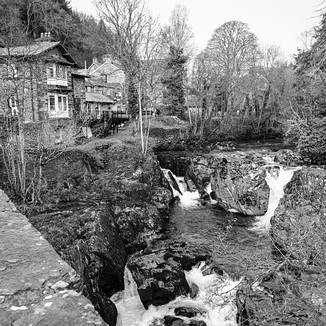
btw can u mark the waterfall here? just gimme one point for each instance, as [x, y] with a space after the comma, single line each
[208, 189]
[277, 178]
[128, 303]
[216, 295]
[179, 188]
[214, 301]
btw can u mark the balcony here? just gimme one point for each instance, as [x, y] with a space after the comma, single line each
[57, 81]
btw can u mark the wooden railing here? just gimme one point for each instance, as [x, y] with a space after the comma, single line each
[121, 116]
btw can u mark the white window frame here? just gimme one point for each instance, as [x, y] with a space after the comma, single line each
[13, 105]
[57, 74]
[59, 107]
[12, 70]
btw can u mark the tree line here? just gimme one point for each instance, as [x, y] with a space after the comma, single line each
[247, 85]
[239, 89]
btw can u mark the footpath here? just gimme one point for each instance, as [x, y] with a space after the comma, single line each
[36, 286]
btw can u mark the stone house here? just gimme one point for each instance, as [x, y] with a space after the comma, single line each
[38, 81]
[98, 100]
[108, 79]
[79, 81]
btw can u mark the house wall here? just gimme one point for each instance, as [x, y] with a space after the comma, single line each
[109, 72]
[31, 88]
[79, 95]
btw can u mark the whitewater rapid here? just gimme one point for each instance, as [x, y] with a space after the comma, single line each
[215, 300]
[277, 177]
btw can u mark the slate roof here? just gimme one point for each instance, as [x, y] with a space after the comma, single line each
[35, 49]
[81, 73]
[99, 98]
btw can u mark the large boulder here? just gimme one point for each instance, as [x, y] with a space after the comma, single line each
[159, 280]
[159, 272]
[299, 223]
[238, 182]
[291, 294]
[138, 225]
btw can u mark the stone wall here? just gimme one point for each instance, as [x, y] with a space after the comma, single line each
[36, 285]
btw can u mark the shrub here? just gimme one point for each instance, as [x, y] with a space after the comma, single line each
[312, 146]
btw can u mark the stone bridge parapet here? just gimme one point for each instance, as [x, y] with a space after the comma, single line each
[36, 286]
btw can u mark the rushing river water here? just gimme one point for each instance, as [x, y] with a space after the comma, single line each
[236, 243]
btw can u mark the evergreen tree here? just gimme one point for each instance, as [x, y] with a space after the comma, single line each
[177, 37]
[174, 93]
[310, 105]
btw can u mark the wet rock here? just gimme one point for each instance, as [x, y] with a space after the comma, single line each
[185, 312]
[190, 185]
[194, 290]
[162, 199]
[138, 226]
[135, 190]
[174, 321]
[282, 297]
[197, 323]
[159, 281]
[288, 157]
[237, 181]
[176, 162]
[159, 273]
[299, 222]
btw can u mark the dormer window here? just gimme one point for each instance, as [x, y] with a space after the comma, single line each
[57, 74]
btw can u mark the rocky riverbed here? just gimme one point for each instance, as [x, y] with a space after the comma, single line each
[105, 205]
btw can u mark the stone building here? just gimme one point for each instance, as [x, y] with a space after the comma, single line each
[37, 80]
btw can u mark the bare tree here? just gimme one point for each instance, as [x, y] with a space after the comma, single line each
[232, 50]
[307, 39]
[178, 33]
[129, 24]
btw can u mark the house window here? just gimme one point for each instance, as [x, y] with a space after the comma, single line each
[64, 103]
[12, 102]
[58, 105]
[52, 103]
[89, 108]
[57, 75]
[97, 112]
[51, 71]
[12, 71]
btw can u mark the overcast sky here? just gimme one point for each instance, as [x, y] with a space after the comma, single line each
[274, 22]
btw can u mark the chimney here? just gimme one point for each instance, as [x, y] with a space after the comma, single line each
[107, 58]
[45, 37]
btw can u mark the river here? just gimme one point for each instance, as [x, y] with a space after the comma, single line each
[240, 245]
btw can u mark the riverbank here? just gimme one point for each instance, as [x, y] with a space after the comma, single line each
[104, 204]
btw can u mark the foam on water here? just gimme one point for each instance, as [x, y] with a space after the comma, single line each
[214, 301]
[277, 177]
[187, 198]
